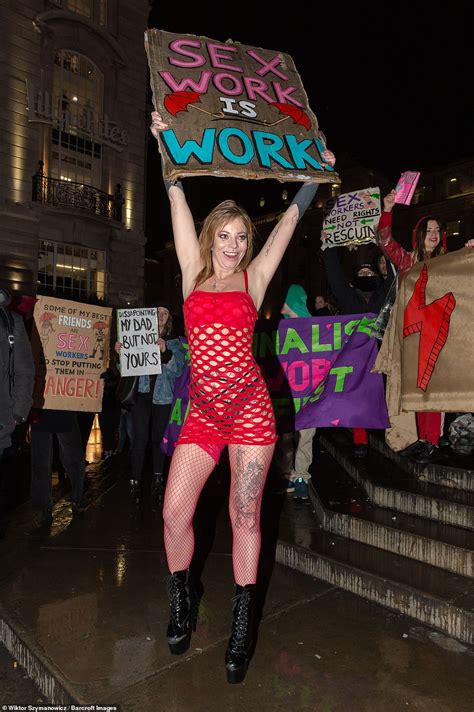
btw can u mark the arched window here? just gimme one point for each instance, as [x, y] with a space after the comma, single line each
[78, 88]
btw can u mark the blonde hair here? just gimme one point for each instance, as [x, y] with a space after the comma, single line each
[218, 217]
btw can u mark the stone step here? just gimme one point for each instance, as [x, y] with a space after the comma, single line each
[456, 472]
[437, 598]
[387, 485]
[342, 507]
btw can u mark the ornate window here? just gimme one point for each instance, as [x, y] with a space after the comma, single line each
[70, 270]
[78, 88]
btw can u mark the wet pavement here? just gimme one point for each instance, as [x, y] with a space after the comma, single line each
[90, 602]
[15, 686]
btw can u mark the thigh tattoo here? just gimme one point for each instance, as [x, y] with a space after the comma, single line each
[248, 487]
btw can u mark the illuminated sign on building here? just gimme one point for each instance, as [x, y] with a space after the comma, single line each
[66, 117]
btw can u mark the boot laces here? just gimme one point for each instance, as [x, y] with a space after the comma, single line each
[241, 620]
[178, 595]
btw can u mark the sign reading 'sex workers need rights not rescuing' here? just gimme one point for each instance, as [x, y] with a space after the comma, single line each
[233, 110]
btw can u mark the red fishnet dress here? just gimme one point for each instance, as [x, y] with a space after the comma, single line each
[229, 399]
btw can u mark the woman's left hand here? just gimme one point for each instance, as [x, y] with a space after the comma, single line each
[469, 243]
[329, 157]
[162, 344]
[157, 124]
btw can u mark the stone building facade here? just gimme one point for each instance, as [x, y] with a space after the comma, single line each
[73, 148]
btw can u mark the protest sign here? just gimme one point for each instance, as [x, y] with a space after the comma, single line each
[406, 187]
[70, 344]
[232, 110]
[318, 372]
[138, 333]
[351, 218]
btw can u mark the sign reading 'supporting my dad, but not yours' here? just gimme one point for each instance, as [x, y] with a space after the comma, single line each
[137, 331]
[233, 110]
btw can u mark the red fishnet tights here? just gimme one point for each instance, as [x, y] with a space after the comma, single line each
[190, 468]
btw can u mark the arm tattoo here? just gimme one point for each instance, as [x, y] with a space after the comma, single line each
[272, 239]
[249, 480]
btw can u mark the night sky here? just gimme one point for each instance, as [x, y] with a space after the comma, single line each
[391, 88]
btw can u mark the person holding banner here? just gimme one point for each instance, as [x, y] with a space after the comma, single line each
[428, 241]
[223, 288]
[366, 293]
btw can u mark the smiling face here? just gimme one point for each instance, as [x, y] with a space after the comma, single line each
[320, 302]
[230, 245]
[432, 236]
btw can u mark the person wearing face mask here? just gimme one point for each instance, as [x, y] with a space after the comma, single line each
[150, 399]
[428, 241]
[365, 293]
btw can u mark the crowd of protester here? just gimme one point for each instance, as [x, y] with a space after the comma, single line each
[136, 410]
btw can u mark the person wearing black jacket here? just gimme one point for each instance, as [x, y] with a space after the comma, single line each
[17, 371]
[366, 293]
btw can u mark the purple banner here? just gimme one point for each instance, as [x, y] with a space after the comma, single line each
[318, 372]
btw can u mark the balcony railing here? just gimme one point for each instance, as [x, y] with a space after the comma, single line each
[52, 191]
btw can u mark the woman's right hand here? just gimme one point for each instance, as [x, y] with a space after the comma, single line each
[117, 346]
[157, 123]
[389, 201]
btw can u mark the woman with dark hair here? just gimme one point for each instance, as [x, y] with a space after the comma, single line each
[428, 238]
[150, 399]
[223, 287]
[428, 241]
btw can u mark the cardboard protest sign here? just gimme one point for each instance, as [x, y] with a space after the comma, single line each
[232, 110]
[138, 333]
[70, 344]
[427, 352]
[351, 218]
[406, 187]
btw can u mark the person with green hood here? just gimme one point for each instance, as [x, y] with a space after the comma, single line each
[294, 453]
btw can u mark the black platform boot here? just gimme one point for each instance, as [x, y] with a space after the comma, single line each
[240, 643]
[183, 606]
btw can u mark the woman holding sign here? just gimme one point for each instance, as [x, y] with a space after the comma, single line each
[428, 241]
[151, 398]
[223, 287]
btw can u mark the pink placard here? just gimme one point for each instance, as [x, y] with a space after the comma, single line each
[406, 187]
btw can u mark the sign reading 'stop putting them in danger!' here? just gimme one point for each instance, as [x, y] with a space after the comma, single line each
[70, 342]
[233, 110]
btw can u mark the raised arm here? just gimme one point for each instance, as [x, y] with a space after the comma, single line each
[391, 248]
[266, 263]
[184, 231]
